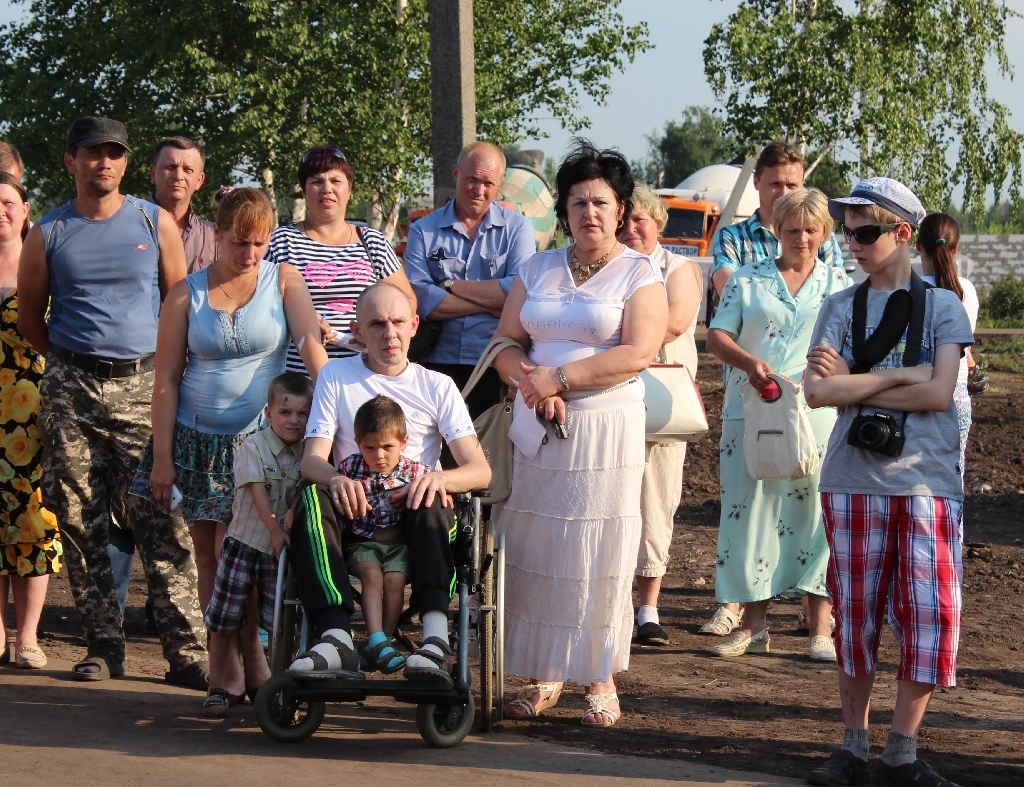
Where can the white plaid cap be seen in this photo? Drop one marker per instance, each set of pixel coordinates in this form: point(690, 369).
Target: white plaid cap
point(886, 193)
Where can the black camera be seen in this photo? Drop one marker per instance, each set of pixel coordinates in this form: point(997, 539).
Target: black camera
point(878, 433)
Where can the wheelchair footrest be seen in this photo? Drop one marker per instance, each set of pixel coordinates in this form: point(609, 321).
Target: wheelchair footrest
point(351, 689)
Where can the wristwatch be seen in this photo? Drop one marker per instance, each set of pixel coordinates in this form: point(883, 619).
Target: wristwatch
point(447, 284)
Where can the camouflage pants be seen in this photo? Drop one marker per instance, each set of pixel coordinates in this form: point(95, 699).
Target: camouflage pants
point(94, 430)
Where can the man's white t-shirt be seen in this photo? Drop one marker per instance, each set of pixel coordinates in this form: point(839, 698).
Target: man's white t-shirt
point(430, 400)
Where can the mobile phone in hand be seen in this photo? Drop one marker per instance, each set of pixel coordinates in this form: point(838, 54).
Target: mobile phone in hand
point(561, 430)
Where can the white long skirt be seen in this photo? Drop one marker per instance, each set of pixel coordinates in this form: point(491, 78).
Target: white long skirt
point(572, 530)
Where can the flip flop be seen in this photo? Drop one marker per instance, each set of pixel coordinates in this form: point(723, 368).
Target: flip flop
point(96, 668)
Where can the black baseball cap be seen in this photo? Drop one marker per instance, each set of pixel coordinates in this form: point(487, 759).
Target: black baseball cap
point(89, 131)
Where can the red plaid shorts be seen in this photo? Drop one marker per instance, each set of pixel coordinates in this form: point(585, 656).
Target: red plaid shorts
point(902, 555)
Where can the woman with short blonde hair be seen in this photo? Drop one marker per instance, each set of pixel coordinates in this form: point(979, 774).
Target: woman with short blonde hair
point(771, 538)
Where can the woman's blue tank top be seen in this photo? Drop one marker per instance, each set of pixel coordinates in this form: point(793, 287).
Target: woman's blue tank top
point(230, 365)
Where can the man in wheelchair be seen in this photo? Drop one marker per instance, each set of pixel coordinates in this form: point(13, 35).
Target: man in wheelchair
point(329, 501)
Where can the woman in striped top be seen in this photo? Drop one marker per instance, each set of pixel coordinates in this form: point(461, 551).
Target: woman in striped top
point(335, 262)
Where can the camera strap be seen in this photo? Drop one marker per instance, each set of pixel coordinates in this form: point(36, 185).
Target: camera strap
point(904, 312)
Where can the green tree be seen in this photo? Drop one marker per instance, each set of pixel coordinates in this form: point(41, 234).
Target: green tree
point(893, 87)
point(684, 147)
point(260, 81)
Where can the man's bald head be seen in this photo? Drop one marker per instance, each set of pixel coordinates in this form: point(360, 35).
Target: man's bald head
point(478, 174)
point(382, 294)
point(480, 152)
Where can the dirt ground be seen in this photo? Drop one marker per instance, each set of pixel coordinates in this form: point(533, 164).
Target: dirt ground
point(776, 713)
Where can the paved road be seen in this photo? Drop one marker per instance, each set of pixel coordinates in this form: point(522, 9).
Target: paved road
point(138, 731)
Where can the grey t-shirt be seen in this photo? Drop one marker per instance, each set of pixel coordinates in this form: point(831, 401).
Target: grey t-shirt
point(929, 464)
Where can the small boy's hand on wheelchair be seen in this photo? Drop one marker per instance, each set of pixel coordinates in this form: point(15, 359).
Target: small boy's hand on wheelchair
point(280, 540)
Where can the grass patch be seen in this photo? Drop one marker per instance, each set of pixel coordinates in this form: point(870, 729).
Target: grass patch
point(1004, 355)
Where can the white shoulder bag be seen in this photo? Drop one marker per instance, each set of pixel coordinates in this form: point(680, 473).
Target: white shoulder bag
point(778, 441)
point(675, 409)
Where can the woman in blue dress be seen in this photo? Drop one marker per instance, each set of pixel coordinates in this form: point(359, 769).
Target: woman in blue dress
point(771, 538)
point(224, 334)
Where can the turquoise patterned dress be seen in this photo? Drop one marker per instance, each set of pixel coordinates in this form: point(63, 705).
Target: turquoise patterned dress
point(771, 538)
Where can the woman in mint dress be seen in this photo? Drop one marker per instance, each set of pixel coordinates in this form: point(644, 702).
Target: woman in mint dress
point(771, 539)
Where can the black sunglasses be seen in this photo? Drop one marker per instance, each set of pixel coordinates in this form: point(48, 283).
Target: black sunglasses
point(333, 151)
point(869, 233)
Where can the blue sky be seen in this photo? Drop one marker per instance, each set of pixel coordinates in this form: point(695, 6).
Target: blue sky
point(663, 81)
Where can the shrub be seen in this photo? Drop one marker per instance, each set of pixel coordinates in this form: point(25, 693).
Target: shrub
point(1003, 304)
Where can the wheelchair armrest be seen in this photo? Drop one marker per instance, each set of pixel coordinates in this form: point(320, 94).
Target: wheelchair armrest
point(481, 493)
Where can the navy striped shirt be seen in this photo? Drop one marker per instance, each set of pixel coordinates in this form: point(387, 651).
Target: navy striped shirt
point(335, 275)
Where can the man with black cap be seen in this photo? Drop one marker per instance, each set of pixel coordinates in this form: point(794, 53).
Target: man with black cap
point(102, 262)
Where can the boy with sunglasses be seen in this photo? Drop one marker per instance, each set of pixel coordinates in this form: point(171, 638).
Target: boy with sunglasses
point(893, 507)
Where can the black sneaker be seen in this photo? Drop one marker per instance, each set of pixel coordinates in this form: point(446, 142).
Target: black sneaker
point(841, 769)
point(915, 774)
point(650, 634)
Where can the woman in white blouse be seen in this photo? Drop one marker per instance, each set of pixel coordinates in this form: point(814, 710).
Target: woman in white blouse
point(591, 318)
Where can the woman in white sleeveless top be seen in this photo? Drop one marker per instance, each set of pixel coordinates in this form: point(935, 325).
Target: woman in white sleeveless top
point(663, 478)
point(591, 318)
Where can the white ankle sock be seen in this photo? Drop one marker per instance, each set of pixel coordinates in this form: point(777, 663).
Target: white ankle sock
point(647, 614)
point(435, 624)
point(325, 649)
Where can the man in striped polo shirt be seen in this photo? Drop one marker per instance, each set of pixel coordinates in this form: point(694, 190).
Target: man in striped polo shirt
point(779, 170)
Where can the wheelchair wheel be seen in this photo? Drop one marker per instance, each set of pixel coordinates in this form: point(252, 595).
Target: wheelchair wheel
point(485, 632)
point(444, 726)
point(283, 717)
point(499, 628)
point(283, 652)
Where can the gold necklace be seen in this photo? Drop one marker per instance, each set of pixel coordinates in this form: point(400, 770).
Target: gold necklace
point(584, 270)
point(248, 290)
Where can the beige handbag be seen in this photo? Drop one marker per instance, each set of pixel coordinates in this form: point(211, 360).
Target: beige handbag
point(493, 424)
point(778, 442)
point(675, 409)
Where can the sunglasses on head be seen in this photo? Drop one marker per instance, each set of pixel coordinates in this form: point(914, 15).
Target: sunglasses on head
point(869, 233)
point(333, 151)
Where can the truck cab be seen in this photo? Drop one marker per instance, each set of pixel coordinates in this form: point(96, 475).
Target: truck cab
point(691, 223)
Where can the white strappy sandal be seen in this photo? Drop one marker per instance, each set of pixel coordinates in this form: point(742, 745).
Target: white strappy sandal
point(723, 623)
point(522, 700)
point(598, 707)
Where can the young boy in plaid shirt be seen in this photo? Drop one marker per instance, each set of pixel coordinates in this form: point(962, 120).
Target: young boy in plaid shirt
point(893, 515)
point(375, 551)
point(266, 477)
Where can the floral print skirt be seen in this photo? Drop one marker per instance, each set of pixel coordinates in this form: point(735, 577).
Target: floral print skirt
point(206, 473)
point(771, 537)
point(29, 536)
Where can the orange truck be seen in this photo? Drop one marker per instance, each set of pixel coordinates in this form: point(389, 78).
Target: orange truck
point(691, 223)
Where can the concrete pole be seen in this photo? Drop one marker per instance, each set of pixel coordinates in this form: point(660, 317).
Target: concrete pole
point(453, 89)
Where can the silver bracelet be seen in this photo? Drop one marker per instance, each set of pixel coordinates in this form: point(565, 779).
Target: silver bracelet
point(561, 378)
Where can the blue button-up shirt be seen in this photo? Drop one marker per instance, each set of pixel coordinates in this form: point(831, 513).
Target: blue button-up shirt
point(747, 241)
point(439, 248)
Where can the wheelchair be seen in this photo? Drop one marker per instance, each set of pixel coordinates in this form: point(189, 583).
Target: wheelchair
point(290, 707)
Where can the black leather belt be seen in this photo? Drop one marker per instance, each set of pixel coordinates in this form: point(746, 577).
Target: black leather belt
point(105, 368)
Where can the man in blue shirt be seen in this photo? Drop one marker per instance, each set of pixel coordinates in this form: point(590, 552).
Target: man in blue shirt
point(779, 170)
point(461, 261)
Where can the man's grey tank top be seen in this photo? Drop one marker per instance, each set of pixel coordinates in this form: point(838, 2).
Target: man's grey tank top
point(104, 280)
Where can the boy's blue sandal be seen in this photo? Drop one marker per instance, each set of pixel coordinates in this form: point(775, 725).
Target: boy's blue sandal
point(382, 657)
